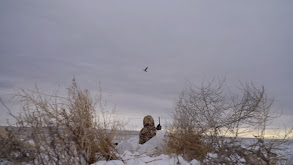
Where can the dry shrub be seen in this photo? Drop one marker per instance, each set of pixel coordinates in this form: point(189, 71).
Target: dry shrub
point(2, 131)
point(190, 145)
point(68, 130)
point(13, 149)
point(219, 118)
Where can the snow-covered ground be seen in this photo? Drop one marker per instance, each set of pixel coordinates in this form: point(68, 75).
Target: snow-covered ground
point(133, 153)
point(142, 159)
point(150, 153)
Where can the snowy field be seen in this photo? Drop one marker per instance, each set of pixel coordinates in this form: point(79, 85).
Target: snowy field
point(149, 153)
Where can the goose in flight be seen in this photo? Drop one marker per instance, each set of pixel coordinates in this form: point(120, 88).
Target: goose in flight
point(146, 69)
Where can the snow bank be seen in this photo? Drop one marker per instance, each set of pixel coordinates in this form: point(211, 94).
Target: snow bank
point(153, 146)
point(142, 159)
point(145, 154)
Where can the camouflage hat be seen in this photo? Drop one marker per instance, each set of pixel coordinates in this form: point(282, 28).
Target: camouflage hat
point(148, 121)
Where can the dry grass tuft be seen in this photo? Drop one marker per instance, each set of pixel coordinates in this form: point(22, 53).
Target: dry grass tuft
point(188, 144)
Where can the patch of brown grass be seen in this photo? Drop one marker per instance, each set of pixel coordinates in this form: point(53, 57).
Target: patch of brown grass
point(189, 144)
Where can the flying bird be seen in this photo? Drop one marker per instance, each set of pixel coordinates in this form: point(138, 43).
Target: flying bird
point(146, 69)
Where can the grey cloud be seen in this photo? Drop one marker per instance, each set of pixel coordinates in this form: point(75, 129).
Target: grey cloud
point(6, 84)
point(49, 42)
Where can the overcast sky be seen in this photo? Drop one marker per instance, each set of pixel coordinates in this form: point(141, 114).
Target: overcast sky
point(47, 42)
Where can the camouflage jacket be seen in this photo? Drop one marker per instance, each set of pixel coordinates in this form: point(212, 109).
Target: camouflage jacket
point(146, 133)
